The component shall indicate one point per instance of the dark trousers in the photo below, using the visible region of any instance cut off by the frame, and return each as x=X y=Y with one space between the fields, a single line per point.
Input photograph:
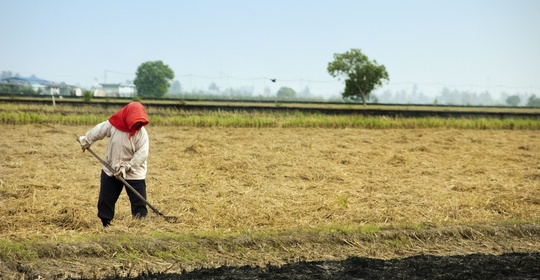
x=110 y=191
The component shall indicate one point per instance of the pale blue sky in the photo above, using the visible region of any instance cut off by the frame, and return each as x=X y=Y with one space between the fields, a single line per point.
x=474 y=45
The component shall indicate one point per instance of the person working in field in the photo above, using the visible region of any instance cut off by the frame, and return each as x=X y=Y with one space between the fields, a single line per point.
x=127 y=152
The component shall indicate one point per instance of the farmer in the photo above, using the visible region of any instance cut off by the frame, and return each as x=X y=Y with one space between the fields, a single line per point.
x=127 y=151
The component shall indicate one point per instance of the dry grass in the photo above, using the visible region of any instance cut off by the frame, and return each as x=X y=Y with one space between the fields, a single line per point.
x=242 y=181
x=235 y=178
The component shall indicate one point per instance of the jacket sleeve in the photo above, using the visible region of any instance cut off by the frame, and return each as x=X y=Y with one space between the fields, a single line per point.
x=99 y=132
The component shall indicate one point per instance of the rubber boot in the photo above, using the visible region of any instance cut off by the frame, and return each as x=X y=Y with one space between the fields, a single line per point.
x=106 y=222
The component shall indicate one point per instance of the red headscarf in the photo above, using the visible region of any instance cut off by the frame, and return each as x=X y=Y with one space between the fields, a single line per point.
x=127 y=117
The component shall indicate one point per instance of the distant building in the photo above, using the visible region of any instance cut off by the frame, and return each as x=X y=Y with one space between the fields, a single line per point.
x=116 y=90
x=40 y=86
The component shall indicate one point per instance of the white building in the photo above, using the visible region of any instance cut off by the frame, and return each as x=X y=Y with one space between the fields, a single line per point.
x=116 y=90
x=41 y=86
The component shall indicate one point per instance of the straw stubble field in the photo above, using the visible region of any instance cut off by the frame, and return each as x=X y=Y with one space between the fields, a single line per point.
x=269 y=195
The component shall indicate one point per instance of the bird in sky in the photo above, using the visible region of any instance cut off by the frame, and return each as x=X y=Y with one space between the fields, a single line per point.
x=273 y=80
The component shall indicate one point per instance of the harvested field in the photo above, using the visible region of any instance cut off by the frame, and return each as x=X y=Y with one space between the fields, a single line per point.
x=259 y=196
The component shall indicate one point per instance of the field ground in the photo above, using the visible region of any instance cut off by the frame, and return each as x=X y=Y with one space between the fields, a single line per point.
x=269 y=196
x=474 y=266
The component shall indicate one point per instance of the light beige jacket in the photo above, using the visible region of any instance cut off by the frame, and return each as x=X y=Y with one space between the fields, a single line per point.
x=131 y=153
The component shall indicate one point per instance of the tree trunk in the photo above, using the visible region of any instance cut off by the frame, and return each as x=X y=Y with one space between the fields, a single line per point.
x=362 y=94
x=364 y=99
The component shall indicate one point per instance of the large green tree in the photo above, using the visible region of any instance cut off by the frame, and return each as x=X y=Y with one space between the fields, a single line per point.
x=361 y=75
x=153 y=79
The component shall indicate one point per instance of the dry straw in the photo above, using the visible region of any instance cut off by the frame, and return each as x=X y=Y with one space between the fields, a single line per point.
x=237 y=179
x=272 y=192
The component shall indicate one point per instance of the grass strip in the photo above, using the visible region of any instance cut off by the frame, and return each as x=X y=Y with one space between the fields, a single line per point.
x=272 y=246
x=13 y=114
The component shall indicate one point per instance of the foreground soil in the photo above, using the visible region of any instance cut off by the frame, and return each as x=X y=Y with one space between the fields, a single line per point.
x=476 y=266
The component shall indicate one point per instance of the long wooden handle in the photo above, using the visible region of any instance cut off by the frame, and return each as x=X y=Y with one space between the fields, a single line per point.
x=124 y=181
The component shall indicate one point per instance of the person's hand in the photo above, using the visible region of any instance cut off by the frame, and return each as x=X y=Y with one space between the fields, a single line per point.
x=121 y=172
x=84 y=143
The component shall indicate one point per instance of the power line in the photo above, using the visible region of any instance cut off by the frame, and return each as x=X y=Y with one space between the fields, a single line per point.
x=120 y=73
x=302 y=80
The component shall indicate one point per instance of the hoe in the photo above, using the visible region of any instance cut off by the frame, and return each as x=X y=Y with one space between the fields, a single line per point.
x=167 y=218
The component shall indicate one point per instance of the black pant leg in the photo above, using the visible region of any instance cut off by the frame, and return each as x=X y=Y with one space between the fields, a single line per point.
x=138 y=206
x=109 y=192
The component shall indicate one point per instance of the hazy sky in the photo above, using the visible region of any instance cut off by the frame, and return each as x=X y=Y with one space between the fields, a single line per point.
x=474 y=45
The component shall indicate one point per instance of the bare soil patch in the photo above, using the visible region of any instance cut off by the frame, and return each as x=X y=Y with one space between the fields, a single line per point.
x=426 y=192
x=475 y=266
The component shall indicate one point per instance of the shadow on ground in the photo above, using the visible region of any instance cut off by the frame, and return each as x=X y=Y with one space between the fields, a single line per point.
x=476 y=266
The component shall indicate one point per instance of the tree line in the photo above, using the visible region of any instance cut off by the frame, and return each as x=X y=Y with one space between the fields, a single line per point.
x=360 y=75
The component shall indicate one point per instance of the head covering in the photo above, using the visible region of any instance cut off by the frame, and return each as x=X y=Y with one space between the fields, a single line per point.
x=127 y=117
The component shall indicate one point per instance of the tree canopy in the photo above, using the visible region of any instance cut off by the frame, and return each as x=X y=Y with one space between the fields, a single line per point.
x=286 y=93
x=175 y=88
x=361 y=75
x=153 y=79
x=513 y=100
x=533 y=101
